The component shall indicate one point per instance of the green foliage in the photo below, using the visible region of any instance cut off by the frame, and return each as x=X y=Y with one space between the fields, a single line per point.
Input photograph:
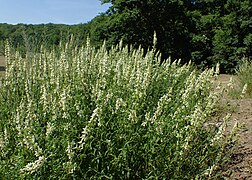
x=244 y=72
x=135 y=22
x=223 y=27
x=78 y=113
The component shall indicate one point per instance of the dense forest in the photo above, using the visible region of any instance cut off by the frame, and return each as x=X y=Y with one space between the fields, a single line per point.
x=203 y=31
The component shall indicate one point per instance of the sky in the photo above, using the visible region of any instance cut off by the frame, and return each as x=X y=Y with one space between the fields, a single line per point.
x=50 y=11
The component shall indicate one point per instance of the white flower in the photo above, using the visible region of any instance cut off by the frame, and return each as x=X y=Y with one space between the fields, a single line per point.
x=69 y=151
x=231 y=83
x=220 y=134
x=144 y=123
x=244 y=90
x=217 y=70
x=210 y=170
x=96 y=114
x=34 y=166
x=133 y=116
x=119 y=103
x=49 y=129
x=83 y=137
x=63 y=100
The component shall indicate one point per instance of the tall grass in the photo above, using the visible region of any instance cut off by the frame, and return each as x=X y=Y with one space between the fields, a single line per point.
x=81 y=113
x=244 y=72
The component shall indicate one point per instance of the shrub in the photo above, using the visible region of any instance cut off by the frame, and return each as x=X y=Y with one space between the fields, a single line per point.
x=81 y=113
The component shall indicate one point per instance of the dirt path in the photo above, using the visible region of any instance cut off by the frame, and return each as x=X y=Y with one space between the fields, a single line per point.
x=240 y=168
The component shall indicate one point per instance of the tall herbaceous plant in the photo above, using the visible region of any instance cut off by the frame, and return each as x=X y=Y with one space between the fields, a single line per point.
x=80 y=113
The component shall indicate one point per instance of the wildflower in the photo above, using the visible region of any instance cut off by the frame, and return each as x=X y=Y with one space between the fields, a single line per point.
x=163 y=101
x=119 y=103
x=208 y=172
x=220 y=134
x=218 y=86
x=38 y=150
x=34 y=166
x=244 y=90
x=69 y=151
x=230 y=84
x=84 y=134
x=63 y=100
x=217 y=70
x=65 y=115
x=133 y=116
x=49 y=129
x=96 y=114
x=144 y=123
x=147 y=119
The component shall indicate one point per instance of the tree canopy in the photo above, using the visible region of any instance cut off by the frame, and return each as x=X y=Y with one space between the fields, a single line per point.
x=204 y=31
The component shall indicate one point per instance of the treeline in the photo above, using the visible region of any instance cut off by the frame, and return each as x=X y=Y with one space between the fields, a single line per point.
x=204 y=31
x=30 y=37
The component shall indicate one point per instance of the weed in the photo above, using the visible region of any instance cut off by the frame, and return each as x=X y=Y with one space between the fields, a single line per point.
x=81 y=113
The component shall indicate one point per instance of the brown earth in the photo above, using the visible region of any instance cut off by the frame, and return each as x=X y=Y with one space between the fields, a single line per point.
x=240 y=166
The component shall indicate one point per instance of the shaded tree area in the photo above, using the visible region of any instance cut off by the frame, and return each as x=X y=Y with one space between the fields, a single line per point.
x=204 y=31
x=222 y=32
x=136 y=21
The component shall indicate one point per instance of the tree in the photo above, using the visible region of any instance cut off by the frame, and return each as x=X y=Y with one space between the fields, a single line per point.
x=222 y=32
x=135 y=22
x=232 y=39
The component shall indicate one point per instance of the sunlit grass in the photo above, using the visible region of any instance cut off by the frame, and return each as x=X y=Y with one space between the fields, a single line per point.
x=244 y=72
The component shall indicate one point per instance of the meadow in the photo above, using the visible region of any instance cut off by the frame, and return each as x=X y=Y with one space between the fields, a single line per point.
x=81 y=113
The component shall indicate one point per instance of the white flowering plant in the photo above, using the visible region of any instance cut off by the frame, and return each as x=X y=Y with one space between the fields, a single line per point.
x=79 y=113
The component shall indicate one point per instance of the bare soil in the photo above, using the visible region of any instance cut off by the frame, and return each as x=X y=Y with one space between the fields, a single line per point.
x=240 y=166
